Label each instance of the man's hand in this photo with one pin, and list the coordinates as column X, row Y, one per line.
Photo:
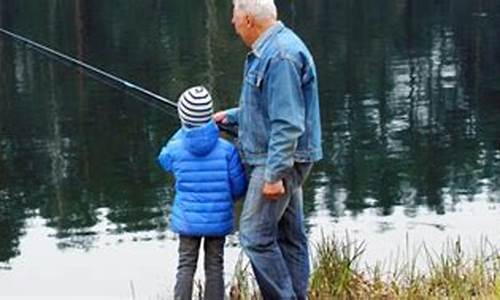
column 273, row 191
column 220, row 117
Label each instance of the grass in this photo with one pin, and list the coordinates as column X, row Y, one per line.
column 337, row 274
column 243, row 286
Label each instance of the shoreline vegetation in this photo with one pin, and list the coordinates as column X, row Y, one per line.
column 337, row 274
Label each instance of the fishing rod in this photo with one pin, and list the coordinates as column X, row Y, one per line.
column 108, row 78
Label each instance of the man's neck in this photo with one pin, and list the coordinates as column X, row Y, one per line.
column 262, row 27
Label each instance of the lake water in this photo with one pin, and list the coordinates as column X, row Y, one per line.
column 410, row 104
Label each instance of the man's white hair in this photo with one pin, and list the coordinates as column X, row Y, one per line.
column 260, row 9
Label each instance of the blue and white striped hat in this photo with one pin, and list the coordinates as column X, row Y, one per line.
column 195, row 106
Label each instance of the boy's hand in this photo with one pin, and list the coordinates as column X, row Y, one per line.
column 220, row 117
column 274, row 190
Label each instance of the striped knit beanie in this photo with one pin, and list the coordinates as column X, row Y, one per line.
column 195, row 106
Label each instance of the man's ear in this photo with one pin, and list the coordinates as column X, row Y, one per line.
column 248, row 21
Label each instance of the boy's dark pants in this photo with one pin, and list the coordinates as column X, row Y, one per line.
column 214, row 267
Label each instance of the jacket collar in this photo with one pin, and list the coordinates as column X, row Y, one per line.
column 263, row 41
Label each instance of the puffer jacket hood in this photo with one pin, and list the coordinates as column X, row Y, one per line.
column 201, row 140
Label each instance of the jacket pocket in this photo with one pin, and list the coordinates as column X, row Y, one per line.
column 254, row 79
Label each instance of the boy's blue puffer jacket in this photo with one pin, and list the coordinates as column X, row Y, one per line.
column 209, row 178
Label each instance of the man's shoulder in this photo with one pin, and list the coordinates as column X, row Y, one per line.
column 288, row 45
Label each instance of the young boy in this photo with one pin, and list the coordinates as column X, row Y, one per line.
column 209, row 178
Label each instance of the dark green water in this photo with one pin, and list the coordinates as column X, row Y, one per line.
column 410, row 104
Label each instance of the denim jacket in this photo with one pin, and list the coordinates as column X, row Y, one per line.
column 278, row 114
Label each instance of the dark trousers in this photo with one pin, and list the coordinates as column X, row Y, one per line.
column 214, row 267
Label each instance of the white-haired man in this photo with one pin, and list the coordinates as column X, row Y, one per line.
column 280, row 138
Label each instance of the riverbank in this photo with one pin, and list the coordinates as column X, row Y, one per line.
column 337, row 274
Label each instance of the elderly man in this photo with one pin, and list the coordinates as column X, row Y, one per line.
column 280, row 139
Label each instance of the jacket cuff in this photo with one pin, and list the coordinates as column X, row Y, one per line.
column 271, row 177
column 232, row 115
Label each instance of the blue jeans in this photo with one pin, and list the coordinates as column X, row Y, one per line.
column 273, row 236
column 188, row 257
